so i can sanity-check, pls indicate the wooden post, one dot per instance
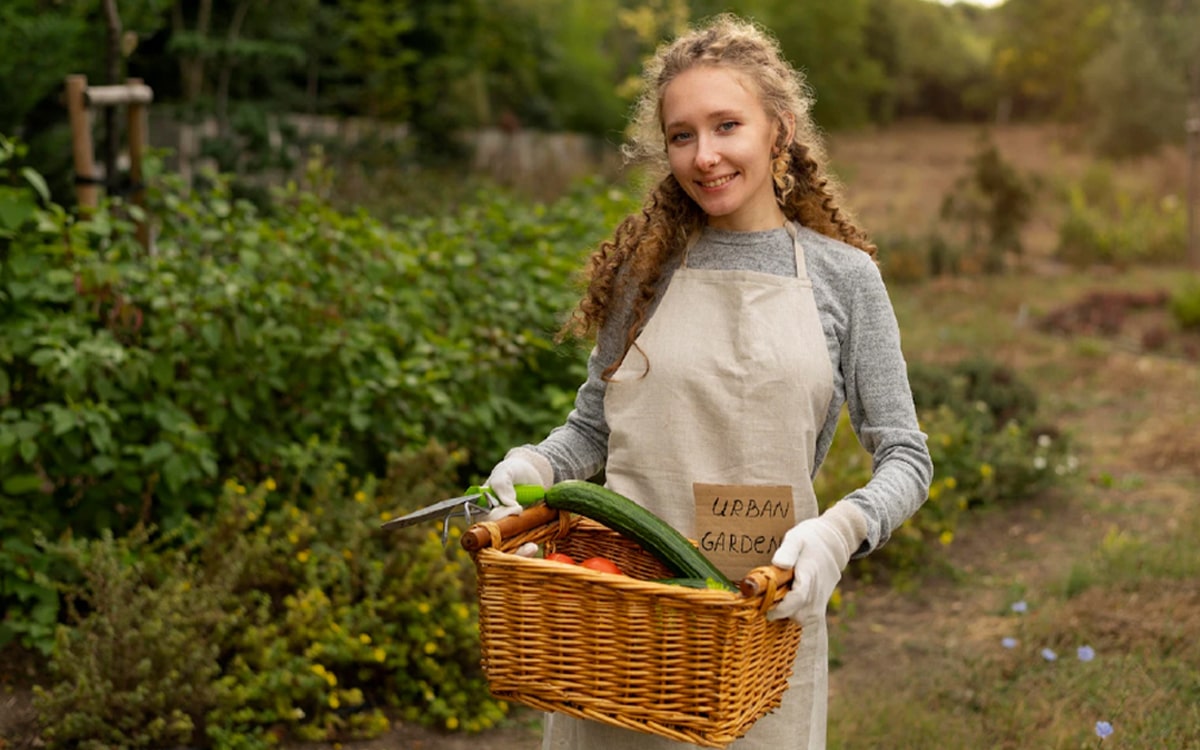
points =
(137, 147)
(81, 99)
(81, 142)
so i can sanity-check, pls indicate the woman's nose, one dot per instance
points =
(706, 154)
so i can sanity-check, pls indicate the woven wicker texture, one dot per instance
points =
(693, 665)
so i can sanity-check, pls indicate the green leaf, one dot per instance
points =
(21, 484)
(174, 472)
(157, 452)
(37, 182)
(16, 206)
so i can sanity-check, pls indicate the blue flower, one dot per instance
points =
(1049, 655)
(1085, 653)
(1103, 729)
(1008, 642)
(1020, 606)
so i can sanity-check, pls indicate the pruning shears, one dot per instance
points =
(478, 501)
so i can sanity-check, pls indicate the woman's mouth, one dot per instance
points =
(710, 184)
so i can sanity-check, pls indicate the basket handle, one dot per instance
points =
(479, 536)
(766, 578)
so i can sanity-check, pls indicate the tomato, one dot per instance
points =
(601, 564)
(560, 557)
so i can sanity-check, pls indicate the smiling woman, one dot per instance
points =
(735, 314)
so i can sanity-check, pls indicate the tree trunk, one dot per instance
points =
(228, 62)
(113, 58)
(191, 65)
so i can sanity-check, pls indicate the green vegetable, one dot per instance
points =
(694, 583)
(631, 520)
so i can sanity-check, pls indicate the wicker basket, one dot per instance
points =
(693, 665)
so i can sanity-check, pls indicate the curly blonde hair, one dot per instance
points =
(645, 241)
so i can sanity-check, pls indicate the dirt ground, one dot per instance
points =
(1134, 415)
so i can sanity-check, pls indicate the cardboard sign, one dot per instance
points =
(739, 527)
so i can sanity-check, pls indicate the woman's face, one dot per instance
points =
(719, 141)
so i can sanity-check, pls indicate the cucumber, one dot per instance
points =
(694, 583)
(634, 522)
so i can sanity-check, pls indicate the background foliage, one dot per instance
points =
(449, 67)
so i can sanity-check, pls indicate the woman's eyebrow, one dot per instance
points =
(720, 114)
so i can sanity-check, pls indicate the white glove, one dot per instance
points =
(520, 466)
(817, 550)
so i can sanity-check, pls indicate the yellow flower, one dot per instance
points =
(270, 484)
(946, 537)
(360, 497)
(430, 647)
(935, 492)
(835, 601)
(452, 723)
(380, 655)
(318, 669)
(986, 471)
(462, 611)
(333, 701)
(950, 483)
(347, 554)
(364, 639)
(303, 555)
(239, 489)
(423, 608)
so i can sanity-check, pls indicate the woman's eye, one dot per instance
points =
(725, 127)
(679, 137)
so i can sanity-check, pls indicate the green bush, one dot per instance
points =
(286, 616)
(1185, 306)
(132, 381)
(1106, 224)
(989, 206)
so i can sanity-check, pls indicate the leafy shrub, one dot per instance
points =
(131, 382)
(990, 205)
(967, 384)
(286, 616)
(1185, 306)
(1106, 224)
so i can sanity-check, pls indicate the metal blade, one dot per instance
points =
(437, 510)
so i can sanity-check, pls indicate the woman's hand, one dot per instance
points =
(817, 550)
(520, 466)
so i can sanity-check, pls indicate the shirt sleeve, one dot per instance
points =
(578, 448)
(880, 405)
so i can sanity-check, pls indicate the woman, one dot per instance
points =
(735, 314)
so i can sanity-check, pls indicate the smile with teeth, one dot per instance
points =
(717, 182)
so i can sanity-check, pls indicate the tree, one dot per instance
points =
(1138, 99)
(828, 42)
(934, 59)
(1041, 49)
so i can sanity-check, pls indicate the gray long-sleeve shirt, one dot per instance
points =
(869, 372)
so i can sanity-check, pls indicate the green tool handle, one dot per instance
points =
(527, 494)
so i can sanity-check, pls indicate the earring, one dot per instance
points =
(784, 181)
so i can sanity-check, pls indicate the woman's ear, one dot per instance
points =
(787, 121)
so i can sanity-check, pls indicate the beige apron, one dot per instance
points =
(738, 386)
